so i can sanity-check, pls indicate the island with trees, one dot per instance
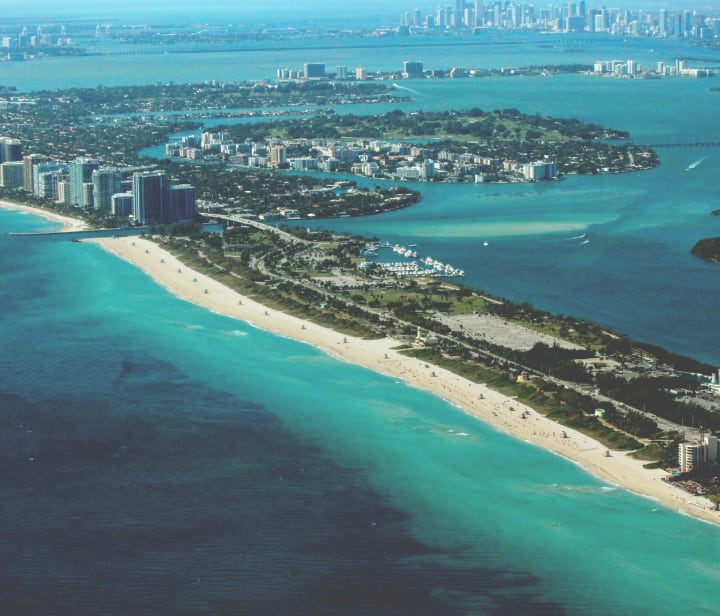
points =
(708, 249)
(455, 146)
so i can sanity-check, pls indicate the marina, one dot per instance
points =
(413, 267)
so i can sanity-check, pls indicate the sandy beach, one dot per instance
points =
(501, 412)
(69, 224)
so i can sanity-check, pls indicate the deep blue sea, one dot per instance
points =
(160, 459)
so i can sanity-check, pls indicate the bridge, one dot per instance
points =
(694, 144)
(254, 223)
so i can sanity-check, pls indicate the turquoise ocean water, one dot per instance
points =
(157, 458)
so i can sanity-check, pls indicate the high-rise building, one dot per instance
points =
(691, 456)
(63, 191)
(88, 199)
(29, 162)
(46, 186)
(412, 70)
(121, 204)
(106, 182)
(479, 13)
(48, 183)
(278, 155)
(314, 70)
(599, 23)
(12, 174)
(181, 202)
(539, 170)
(81, 170)
(427, 169)
(155, 201)
(150, 197)
(10, 150)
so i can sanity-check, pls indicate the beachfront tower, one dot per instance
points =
(150, 197)
(122, 204)
(691, 456)
(81, 170)
(10, 150)
(11, 174)
(29, 162)
(106, 182)
(181, 202)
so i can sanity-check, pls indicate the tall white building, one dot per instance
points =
(106, 182)
(691, 456)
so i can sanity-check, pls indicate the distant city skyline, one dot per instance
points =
(222, 10)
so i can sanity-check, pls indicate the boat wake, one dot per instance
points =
(692, 166)
(415, 92)
(577, 238)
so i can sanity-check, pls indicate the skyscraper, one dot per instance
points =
(106, 182)
(44, 183)
(479, 13)
(314, 70)
(81, 170)
(10, 150)
(150, 197)
(181, 202)
(122, 204)
(278, 156)
(11, 174)
(29, 163)
(412, 70)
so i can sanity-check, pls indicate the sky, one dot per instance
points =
(242, 9)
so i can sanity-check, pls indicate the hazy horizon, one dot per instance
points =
(230, 10)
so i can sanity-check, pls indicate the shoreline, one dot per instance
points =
(497, 410)
(69, 224)
(494, 409)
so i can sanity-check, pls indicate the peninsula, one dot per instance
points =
(400, 354)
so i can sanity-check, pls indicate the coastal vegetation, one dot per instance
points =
(307, 274)
(495, 137)
(260, 192)
(217, 96)
(113, 123)
(475, 123)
